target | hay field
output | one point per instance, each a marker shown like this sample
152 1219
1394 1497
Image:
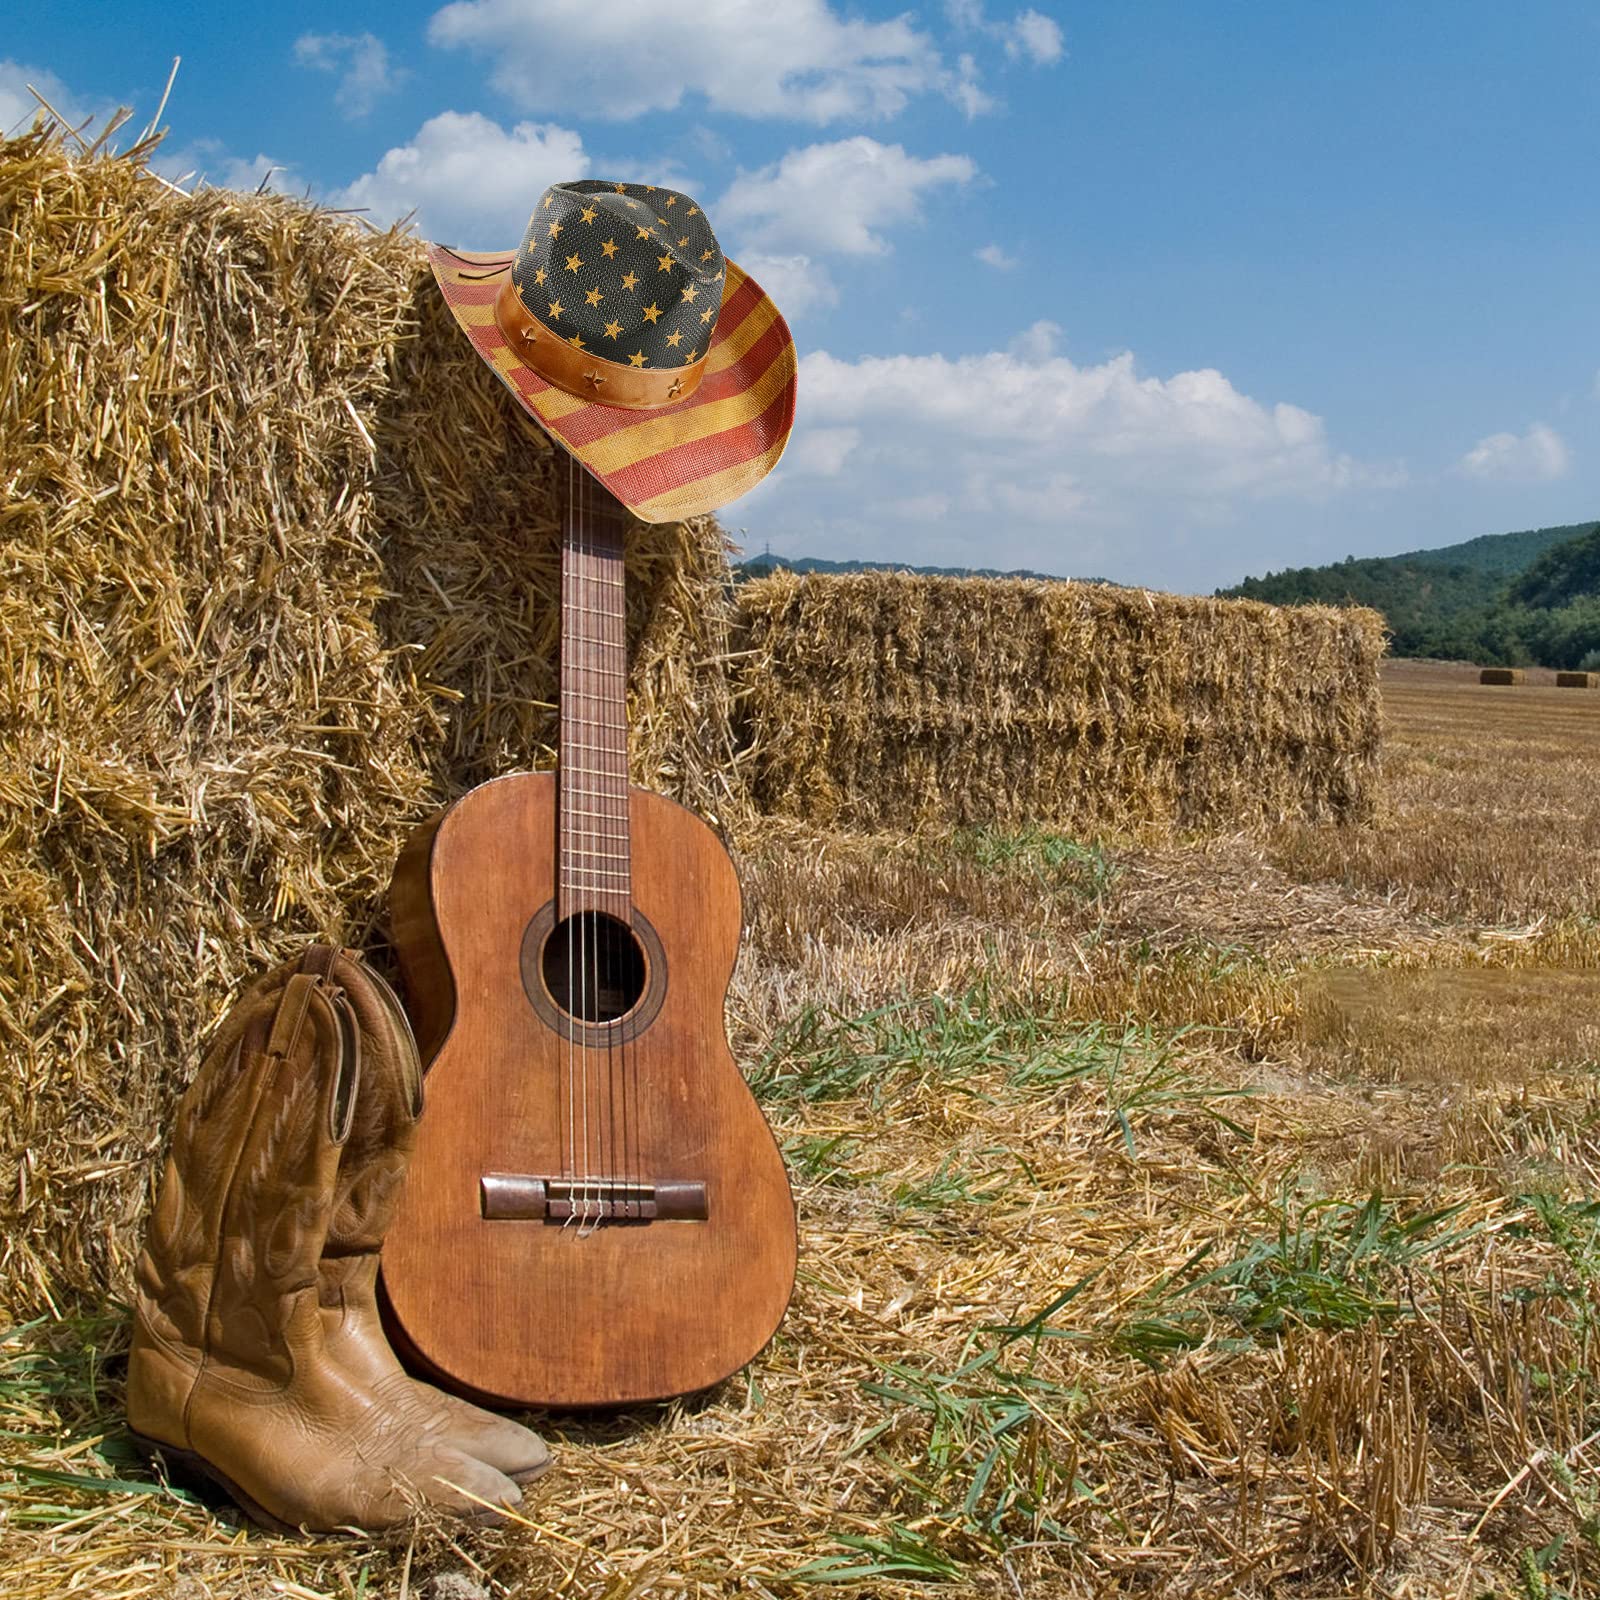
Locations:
1216 1218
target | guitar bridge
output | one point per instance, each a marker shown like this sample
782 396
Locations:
519 1197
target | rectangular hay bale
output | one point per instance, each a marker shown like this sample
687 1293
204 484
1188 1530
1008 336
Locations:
890 700
1501 675
1577 680
281 565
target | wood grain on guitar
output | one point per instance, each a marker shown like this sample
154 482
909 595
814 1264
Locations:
597 1212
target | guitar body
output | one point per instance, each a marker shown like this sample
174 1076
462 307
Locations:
597 1213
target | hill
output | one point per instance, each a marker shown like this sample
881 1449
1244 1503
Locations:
1562 576
1505 554
1511 598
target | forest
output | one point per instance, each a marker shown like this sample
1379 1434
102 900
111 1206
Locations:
1514 599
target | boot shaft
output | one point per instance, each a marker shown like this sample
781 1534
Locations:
234 1244
383 1124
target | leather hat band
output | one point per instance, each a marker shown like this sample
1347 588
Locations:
581 372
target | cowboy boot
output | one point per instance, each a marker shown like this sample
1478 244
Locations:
383 1132
229 1370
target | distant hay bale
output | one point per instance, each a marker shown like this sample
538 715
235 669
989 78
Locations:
1501 675
279 579
891 700
1577 680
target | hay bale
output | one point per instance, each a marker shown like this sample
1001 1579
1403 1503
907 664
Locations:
889 700
1577 680
279 579
1501 675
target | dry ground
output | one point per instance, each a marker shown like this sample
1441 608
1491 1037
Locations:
1219 1218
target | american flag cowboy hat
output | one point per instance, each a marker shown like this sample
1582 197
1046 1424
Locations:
621 328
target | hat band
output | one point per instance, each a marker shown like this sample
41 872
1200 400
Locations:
580 372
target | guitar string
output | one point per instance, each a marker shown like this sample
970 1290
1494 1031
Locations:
568 895
619 657
605 1131
596 924
586 932
614 935
617 764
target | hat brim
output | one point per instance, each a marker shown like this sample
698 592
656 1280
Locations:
672 461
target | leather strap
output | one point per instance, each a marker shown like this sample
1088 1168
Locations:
319 959
581 372
291 1014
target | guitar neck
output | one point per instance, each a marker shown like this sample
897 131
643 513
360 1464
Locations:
593 862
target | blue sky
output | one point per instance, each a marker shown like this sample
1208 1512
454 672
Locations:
1167 291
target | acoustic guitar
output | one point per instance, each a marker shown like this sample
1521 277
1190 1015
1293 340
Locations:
596 1213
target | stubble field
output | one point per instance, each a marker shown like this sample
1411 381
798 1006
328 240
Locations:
1202 1218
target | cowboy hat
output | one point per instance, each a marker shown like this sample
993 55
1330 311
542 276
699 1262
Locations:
621 328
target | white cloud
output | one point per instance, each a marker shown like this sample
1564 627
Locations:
469 181
663 171
991 255
260 174
962 88
1194 429
19 108
796 283
362 60
1029 35
1022 456
756 58
1537 456
1036 344
1036 36
207 163
835 197
822 452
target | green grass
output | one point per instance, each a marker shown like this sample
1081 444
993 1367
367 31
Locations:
985 1452
898 1553
953 1184
1328 1263
1059 864
57 1394
1029 1041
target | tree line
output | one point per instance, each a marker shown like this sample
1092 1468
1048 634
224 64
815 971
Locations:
1461 604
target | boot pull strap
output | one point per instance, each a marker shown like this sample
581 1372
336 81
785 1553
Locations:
291 1014
319 959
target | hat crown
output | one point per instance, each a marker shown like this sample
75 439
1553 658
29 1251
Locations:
630 274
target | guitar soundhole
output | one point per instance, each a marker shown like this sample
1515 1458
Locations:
592 977
593 967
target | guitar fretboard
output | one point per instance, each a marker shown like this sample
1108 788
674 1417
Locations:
593 865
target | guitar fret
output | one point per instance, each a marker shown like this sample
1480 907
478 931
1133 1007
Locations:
592 611
594 803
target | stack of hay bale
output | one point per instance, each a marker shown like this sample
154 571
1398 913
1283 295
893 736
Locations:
280 564
279 579
891 700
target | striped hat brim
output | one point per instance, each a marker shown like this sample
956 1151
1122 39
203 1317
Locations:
672 461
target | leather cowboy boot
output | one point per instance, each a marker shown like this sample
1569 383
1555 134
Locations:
372 1169
229 1371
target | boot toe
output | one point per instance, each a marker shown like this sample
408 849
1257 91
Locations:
463 1483
516 1451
